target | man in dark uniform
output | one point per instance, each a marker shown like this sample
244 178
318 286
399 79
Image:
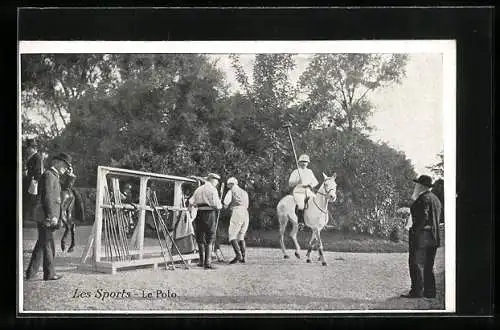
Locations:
33 169
207 201
423 239
50 197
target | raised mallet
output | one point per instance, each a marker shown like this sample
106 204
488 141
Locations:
287 126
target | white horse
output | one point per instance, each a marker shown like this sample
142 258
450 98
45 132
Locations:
315 216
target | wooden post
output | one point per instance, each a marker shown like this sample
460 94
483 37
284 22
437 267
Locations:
142 215
101 177
178 194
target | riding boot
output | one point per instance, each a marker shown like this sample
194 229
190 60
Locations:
201 255
300 215
208 257
242 249
237 252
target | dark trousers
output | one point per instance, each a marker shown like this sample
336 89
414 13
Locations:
204 227
421 266
29 204
44 250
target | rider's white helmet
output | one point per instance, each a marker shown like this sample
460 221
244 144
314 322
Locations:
232 180
304 158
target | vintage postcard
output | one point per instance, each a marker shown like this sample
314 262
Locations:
249 177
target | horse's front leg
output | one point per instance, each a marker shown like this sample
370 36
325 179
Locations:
72 245
63 239
283 221
293 235
320 249
310 246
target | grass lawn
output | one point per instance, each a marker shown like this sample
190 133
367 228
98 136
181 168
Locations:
332 240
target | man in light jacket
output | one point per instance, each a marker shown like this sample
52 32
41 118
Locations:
302 181
237 200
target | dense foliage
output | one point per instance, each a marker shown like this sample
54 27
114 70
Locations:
174 113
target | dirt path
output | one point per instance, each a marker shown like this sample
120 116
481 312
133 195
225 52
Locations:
351 281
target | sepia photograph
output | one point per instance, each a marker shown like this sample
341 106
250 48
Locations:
236 177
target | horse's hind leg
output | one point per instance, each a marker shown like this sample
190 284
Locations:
63 239
72 245
293 235
283 221
320 250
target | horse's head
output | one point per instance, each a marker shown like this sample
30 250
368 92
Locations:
330 186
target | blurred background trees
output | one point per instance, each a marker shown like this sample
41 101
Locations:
175 114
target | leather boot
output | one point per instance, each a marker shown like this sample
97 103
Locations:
243 250
237 252
201 249
208 257
300 215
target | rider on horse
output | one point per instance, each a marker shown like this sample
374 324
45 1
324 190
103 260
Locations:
302 180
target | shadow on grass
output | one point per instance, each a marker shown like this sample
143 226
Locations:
398 302
332 241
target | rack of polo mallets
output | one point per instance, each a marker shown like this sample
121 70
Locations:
109 249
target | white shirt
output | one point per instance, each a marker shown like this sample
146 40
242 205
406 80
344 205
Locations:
206 194
306 175
236 197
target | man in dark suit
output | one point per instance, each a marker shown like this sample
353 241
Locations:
33 169
50 197
423 239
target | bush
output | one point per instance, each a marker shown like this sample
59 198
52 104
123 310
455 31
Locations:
395 235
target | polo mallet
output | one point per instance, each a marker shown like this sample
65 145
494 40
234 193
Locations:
287 126
217 226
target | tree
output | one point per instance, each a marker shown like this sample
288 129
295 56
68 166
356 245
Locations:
438 168
164 115
338 85
52 83
373 179
260 110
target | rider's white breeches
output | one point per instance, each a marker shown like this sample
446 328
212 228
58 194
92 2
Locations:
300 194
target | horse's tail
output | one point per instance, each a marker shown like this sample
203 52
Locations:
79 210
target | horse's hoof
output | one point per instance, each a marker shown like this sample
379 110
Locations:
63 247
70 250
297 255
324 263
286 257
308 261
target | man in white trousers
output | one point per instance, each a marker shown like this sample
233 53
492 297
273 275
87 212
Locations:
302 180
237 200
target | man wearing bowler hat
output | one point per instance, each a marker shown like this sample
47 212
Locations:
50 197
423 239
207 201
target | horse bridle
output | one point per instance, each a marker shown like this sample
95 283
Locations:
325 211
327 191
